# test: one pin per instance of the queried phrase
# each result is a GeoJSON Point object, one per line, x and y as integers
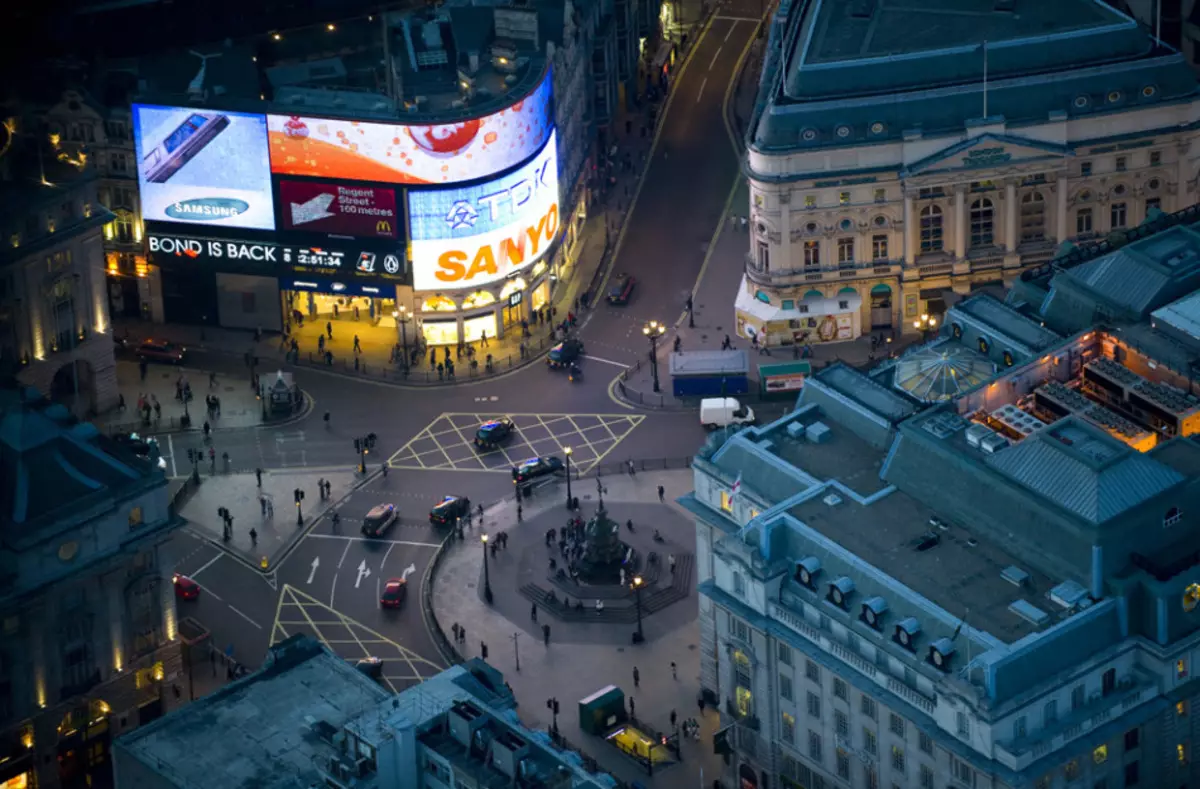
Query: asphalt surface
{"type": "Point", "coordinates": [329, 584]}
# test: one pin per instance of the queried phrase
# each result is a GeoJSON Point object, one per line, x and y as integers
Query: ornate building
{"type": "Point", "coordinates": [896, 161]}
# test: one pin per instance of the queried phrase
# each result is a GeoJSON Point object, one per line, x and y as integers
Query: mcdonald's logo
{"type": "Point", "coordinates": [383, 226]}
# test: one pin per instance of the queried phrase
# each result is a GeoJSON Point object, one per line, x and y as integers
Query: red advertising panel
{"type": "Point", "coordinates": [350, 210]}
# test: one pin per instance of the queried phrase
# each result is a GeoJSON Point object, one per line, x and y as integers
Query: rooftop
{"type": "Point", "coordinates": [1182, 315]}
{"type": "Point", "coordinates": [1000, 317]}
{"type": "Point", "coordinates": [852, 384]}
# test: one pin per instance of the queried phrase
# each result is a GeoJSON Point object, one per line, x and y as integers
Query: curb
{"type": "Point", "coordinates": [309, 405]}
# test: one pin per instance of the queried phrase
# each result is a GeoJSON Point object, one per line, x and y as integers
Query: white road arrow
{"type": "Point", "coordinates": [363, 572]}
{"type": "Point", "coordinates": [412, 568]}
{"type": "Point", "coordinates": [313, 572]}
{"type": "Point", "coordinates": [312, 210]}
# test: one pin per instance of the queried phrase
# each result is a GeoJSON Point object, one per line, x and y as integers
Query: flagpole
{"type": "Point", "coordinates": [985, 76]}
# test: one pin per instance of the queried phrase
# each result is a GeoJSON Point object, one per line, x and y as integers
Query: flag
{"type": "Point", "coordinates": [736, 488]}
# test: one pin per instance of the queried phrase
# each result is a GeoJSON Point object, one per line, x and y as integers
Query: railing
{"type": "Point", "coordinates": [632, 466]}
{"type": "Point", "coordinates": [924, 703]}
{"type": "Point", "coordinates": [443, 644]}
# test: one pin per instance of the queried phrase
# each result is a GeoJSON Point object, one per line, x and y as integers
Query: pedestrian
{"type": "Point", "coordinates": [454, 630]}
{"type": "Point", "coordinates": [632, 470]}
{"type": "Point", "coordinates": [262, 503]}
{"type": "Point", "coordinates": [520, 513]}
{"type": "Point", "coordinates": [253, 537]}
{"type": "Point", "coordinates": [483, 340]}
{"type": "Point", "coordinates": [329, 328]}
{"type": "Point", "coordinates": [328, 489]}
{"type": "Point", "coordinates": [700, 701]}
{"type": "Point", "coordinates": [674, 675]}
{"type": "Point", "coordinates": [632, 708]}
{"type": "Point", "coordinates": [671, 561]}
{"type": "Point", "coordinates": [357, 345]}
{"type": "Point", "coordinates": [212, 380]}
{"type": "Point", "coordinates": [270, 509]}
{"type": "Point", "coordinates": [674, 717]}
{"type": "Point", "coordinates": [157, 411]}
{"type": "Point", "coordinates": [662, 494]}
{"type": "Point", "coordinates": [321, 488]}
{"type": "Point", "coordinates": [546, 635]}
{"type": "Point", "coordinates": [533, 612]}
{"type": "Point", "coordinates": [258, 476]}
{"type": "Point", "coordinates": [637, 677]}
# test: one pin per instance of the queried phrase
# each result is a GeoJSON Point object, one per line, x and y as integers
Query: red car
{"type": "Point", "coordinates": [394, 592]}
{"type": "Point", "coordinates": [161, 351]}
{"type": "Point", "coordinates": [185, 588]}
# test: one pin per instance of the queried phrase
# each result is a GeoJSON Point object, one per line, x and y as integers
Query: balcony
{"type": "Point", "coordinates": [780, 277]}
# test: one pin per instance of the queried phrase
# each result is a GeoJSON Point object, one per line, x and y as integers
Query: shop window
{"type": "Point", "coordinates": [931, 229]}
{"type": "Point", "coordinates": [438, 304]}
{"type": "Point", "coordinates": [440, 332]}
{"type": "Point", "coordinates": [982, 223]}
{"type": "Point", "coordinates": [512, 286]}
{"type": "Point", "coordinates": [879, 247]}
{"type": "Point", "coordinates": [480, 298]}
{"type": "Point", "coordinates": [1119, 215]}
{"type": "Point", "coordinates": [475, 328]}
{"type": "Point", "coordinates": [538, 269]}
{"type": "Point", "coordinates": [812, 254]}
{"type": "Point", "coordinates": [1083, 221]}
{"type": "Point", "coordinates": [789, 304]}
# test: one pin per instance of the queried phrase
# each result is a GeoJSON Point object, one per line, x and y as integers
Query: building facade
{"type": "Point", "coordinates": [888, 169]}
{"type": "Point", "coordinates": [90, 646]}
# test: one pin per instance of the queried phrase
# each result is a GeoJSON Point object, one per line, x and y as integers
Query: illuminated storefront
{"type": "Point", "coordinates": [809, 319]}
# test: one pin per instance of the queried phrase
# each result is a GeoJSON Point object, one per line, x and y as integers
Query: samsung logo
{"type": "Point", "coordinates": [206, 208]}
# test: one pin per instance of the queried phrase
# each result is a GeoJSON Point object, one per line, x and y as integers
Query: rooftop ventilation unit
{"type": "Point", "coordinates": [818, 433]}
{"type": "Point", "coordinates": [977, 432]}
{"type": "Point", "coordinates": [940, 652]}
{"type": "Point", "coordinates": [944, 425]}
{"type": "Point", "coordinates": [1015, 575]}
{"type": "Point", "coordinates": [832, 500]}
{"type": "Point", "coordinates": [807, 570]}
{"type": "Point", "coordinates": [907, 630]}
{"type": "Point", "coordinates": [1068, 594]}
{"type": "Point", "coordinates": [1018, 421]}
{"type": "Point", "coordinates": [926, 541]}
{"type": "Point", "coordinates": [840, 590]}
{"type": "Point", "coordinates": [873, 610]}
{"type": "Point", "coordinates": [1029, 612]}
{"type": "Point", "coordinates": [993, 443]}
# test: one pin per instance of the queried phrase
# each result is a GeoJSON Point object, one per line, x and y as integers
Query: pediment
{"type": "Point", "coordinates": [988, 152]}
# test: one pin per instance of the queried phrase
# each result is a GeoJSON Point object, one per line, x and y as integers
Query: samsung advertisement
{"type": "Point", "coordinates": [345, 150]}
{"type": "Point", "coordinates": [476, 235]}
{"type": "Point", "coordinates": [203, 167]}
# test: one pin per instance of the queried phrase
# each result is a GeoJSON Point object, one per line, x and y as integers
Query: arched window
{"type": "Point", "coordinates": [982, 223]}
{"type": "Point", "coordinates": [931, 229]}
{"type": "Point", "coordinates": [1033, 217]}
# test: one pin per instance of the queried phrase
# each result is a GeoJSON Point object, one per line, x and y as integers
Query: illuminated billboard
{"type": "Point", "coordinates": [343, 150]}
{"type": "Point", "coordinates": [472, 236]}
{"type": "Point", "coordinates": [340, 258]}
{"type": "Point", "coordinates": [341, 209]}
{"type": "Point", "coordinates": [203, 167]}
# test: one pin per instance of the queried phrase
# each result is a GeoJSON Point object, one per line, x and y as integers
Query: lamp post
{"type": "Point", "coordinates": [638, 583]}
{"type": "Point", "coordinates": [925, 324]}
{"type": "Point", "coordinates": [567, 453]}
{"type": "Point", "coordinates": [402, 318]}
{"type": "Point", "coordinates": [487, 580]}
{"type": "Point", "coordinates": [653, 330]}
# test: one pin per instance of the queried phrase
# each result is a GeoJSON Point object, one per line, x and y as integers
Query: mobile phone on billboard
{"type": "Point", "coordinates": [181, 146]}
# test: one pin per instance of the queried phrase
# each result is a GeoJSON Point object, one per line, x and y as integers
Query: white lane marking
{"type": "Point", "coordinates": [731, 27]}
{"type": "Point", "coordinates": [385, 556]}
{"type": "Point", "coordinates": [206, 565]}
{"type": "Point", "coordinates": [313, 572]}
{"type": "Point", "coordinates": [345, 551]}
{"type": "Point", "coordinates": [714, 60]}
{"type": "Point", "coordinates": [243, 616]}
{"type": "Point", "coordinates": [332, 589]}
{"type": "Point", "coordinates": [377, 595]}
{"type": "Point", "coordinates": [378, 540]}
{"type": "Point", "coordinates": [700, 95]}
{"type": "Point", "coordinates": [605, 361]}
{"type": "Point", "coordinates": [209, 592]}
{"type": "Point", "coordinates": [171, 449]}
{"type": "Point", "coordinates": [736, 19]}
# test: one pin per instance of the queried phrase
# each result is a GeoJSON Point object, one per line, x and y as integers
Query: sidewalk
{"type": "Point", "coordinates": [571, 670]}
{"type": "Point", "coordinates": [240, 494]}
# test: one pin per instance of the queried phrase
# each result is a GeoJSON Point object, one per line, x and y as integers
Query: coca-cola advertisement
{"type": "Point", "coordinates": [340, 209]}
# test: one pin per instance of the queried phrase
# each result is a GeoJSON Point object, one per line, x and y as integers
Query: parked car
{"type": "Point", "coordinates": [161, 351]}
{"type": "Point", "coordinates": [493, 433]}
{"type": "Point", "coordinates": [563, 354]}
{"type": "Point", "coordinates": [379, 520]}
{"type": "Point", "coordinates": [394, 592]}
{"type": "Point", "coordinates": [535, 468]}
{"type": "Point", "coordinates": [371, 666]}
{"type": "Point", "coordinates": [621, 290]}
{"type": "Point", "coordinates": [449, 509]}
{"type": "Point", "coordinates": [185, 588]}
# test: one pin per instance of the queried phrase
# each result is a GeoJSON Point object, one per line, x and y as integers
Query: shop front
{"type": "Point", "coordinates": [448, 318]}
{"type": "Point", "coordinates": [812, 319]}
{"type": "Point", "coordinates": [320, 300]}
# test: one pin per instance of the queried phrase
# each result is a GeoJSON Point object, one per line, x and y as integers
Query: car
{"type": "Point", "coordinates": [142, 447]}
{"type": "Point", "coordinates": [534, 468]}
{"type": "Point", "coordinates": [394, 592]}
{"type": "Point", "coordinates": [493, 432]}
{"type": "Point", "coordinates": [185, 588]}
{"type": "Point", "coordinates": [370, 666]}
{"type": "Point", "coordinates": [379, 520]}
{"type": "Point", "coordinates": [449, 509]}
{"type": "Point", "coordinates": [181, 146]}
{"type": "Point", "coordinates": [563, 354]}
{"type": "Point", "coordinates": [621, 290]}
{"type": "Point", "coordinates": [161, 351]}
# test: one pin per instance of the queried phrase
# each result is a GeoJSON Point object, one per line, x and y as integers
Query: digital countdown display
{"type": "Point", "coordinates": [203, 167]}
{"type": "Point", "coordinates": [472, 236]}
{"type": "Point", "coordinates": [338, 258]}
{"type": "Point", "coordinates": [345, 150]}
{"type": "Point", "coordinates": [341, 209]}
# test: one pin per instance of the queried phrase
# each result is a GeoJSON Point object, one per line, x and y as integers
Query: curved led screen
{"type": "Point", "coordinates": [475, 235]}
{"type": "Point", "coordinates": [344, 150]}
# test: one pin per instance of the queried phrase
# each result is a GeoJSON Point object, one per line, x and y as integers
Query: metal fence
{"type": "Point", "coordinates": [449, 653]}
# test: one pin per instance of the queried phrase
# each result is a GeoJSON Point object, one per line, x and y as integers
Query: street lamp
{"type": "Point", "coordinates": [567, 452]}
{"type": "Point", "coordinates": [653, 330]}
{"type": "Point", "coordinates": [487, 580]}
{"type": "Point", "coordinates": [638, 583]}
{"type": "Point", "coordinates": [402, 318]}
{"type": "Point", "coordinates": [925, 324]}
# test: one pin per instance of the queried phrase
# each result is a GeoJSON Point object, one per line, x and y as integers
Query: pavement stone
{"type": "Point", "coordinates": [241, 495]}
{"type": "Point", "coordinates": [569, 671]}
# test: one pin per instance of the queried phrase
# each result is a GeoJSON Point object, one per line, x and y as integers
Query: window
{"type": "Point", "coordinates": [1132, 739]}
{"type": "Point", "coordinates": [1083, 221]}
{"type": "Point", "coordinates": [1050, 712]}
{"type": "Point", "coordinates": [983, 186]}
{"type": "Point", "coordinates": [1033, 217]}
{"type": "Point", "coordinates": [784, 651]}
{"type": "Point", "coordinates": [135, 517]}
{"type": "Point", "coordinates": [1085, 169]}
{"type": "Point", "coordinates": [872, 778]}
{"type": "Point", "coordinates": [964, 724]}
{"type": "Point", "coordinates": [896, 725]}
{"type": "Point", "coordinates": [1071, 771]}
{"type": "Point", "coordinates": [812, 671]}
{"type": "Point", "coordinates": [843, 198]}
{"type": "Point", "coordinates": [880, 195]}
{"type": "Point", "coordinates": [1181, 752]}
{"type": "Point", "coordinates": [926, 777]}
{"type": "Point", "coordinates": [739, 585]}
{"type": "Point", "coordinates": [982, 223]}
{"type": "Point", "coordinates": [1077, 697]}
{"type": "Point", "coordinates": [785, 687]}
{"type": "Point", "coordinates": [839, 689]}
{"type": "Point", "coordinates": [843, 765]}
{"type": "Point", "coordinates": [1153, 203]}
{"type": "Point", "coordinates": [814, 706]}
{"type": "Point", "coordinates": [810, 201]}
{"type": "Point", "coordinates": [1173, 516]}
{"type": "Point", "coordinates": [962, 771]}
{"type": "Point", "coordinates": [789, 728]}
{"type": "Point", "coordinates": [812, 254]}
{"type": "Point", "coordinates": [1019, 727]}
{"type": "Point", "coordinates": [1131, 774]}
{"type": "Point", "coordinates": [931, 229]}
{"type": "Point", "coordinates": [741, 631]}
{"type": "Point", "coordinates": [868, 707]}
{"type": "Point", "coordinates": [845, 251]}
{"type": "Point", "coordinates": [879, 247]}
{"type": "Point", "coordinates": [1108, 682]}
{"type": "Point", "coordinates": [1181, 668]}
{"type": "Point", "coordinates": [726, 501]}
{"type": "Point", "coordinates": [841, 723]}
{"type": "Point", "coordinates": [1181, 708]}
{"type": "Point", "coordinates": [1155, 158]}
{"type": "Point", "coordinates": [123, 227]}
{"type": "Point", "coordinates": [814, 746]}
{"type": "Point", "coordinates": [925, 743]}
{"type": "Point", "coordinates": [897, 758]}
{"type": "Point", "coordinates": [930, 192]}
{"type": "Point", "coordinates": [870, 741]}
{"type": "Point", "coordinates": [764, 254]}
{"type": "Point", "coordinates": [1122, 164]}
{"type": "Point", "coordinates": [1118, 213]}
{"type": "Point", "coordinates": [118, 162]}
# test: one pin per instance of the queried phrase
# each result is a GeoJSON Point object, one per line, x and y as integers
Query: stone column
{"type": "Point", "coordinates": [911, 230]}
{"type": "Point", "coordinates": [1060, 210]}
{"type": "Point", "coordinates": [1183, 174]}
{"type": "Point", "coordinates": [960, 221]}
{"type": "Point", "coordinates": [1010, 216]}
{"type": "Point", "coordinates": [784, 257]}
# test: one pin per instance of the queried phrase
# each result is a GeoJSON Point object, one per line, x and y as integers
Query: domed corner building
{"type": "Point", "coordinates": [899, 154]}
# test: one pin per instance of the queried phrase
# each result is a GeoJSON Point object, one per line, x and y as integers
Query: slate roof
{"type": "Point", "coordinates": [772, 480]}
{"type": "Point", "coordinates": [1122, 278]}
{"type": "Point", "coordinates": [861, 389]}
{"type": "Point", "coordinates": [1084, 471]}
{"type": "Point", "coordinates": [1008, 321]}
{"type": "Point", "coordinates": [1182, 315]}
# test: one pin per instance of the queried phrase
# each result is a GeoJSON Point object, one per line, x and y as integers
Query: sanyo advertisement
{"type": "Point", "coordinates": [469, 237]}
{"type": "Point", "coordinates": [203, 167]}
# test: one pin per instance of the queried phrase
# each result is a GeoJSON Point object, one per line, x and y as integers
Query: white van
{"type": "Point", "coordinates": [724, 411]}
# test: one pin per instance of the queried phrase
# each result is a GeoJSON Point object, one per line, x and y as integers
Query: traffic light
{"type": "Point", "coordinates": [358, 445]}
{"type": "Point", "coordinates": [298, 495]}
{"type": "Point", "coordinates": [191, 456]}
{"type": "Point", "coordinates": [371, 437]}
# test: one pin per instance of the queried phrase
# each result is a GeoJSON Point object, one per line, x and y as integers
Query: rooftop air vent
{"type": "Point", "coordinates": [940, 652]}
{"type": "Point", "coordinates": [1068, 594]}
{"type": "Point", "coordinates": [976, 433]}
{"type": "Point", "coordinates": [873, 610]}
{"type": "Point", "coordinates": [1015, 575]}
{"type": "Point", "coordinates": [907, 630]}
{"type": "Point", "coordinates": [832, 500]}
{"type": "Point", "coordinates": [806, 571]}
{"type": "Point", "coordinates": [840, 590]}
{"type": "Point", "coordinates": [1029, 612]}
